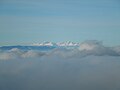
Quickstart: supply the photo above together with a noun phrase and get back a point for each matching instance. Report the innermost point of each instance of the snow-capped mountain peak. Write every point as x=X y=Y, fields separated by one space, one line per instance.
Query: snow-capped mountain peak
x=44 y=44
x=68 y=43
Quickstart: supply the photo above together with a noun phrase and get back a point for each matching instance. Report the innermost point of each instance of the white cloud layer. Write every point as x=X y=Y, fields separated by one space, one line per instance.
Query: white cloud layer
x=60 y=73
x=91 y=66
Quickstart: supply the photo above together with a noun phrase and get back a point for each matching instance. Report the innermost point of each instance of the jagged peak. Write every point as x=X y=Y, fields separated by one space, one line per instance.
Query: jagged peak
x=67 y=43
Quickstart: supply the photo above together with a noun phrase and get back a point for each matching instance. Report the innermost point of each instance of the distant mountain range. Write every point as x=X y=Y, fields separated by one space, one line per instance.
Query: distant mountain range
x=42 y=46
x=27 y=47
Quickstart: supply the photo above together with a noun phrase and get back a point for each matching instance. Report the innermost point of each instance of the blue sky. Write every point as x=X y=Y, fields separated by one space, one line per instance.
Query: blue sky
x=31 y=21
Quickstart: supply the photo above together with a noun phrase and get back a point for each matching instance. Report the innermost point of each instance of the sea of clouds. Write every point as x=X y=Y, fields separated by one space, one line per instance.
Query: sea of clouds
x=91 y=66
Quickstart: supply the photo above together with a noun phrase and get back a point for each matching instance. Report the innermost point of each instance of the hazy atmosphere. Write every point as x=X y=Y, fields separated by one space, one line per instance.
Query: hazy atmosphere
x=59 y=45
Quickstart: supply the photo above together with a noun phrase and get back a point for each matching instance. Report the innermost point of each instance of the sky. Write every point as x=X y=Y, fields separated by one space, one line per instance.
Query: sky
x=33 y=21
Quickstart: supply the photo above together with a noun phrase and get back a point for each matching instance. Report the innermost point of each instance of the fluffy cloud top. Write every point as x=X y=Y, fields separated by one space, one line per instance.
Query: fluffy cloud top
x=97 y=48
x=90 y=45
